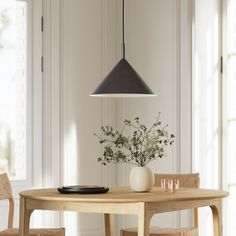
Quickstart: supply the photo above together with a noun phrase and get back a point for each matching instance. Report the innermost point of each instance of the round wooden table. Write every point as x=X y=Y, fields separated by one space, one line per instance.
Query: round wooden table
x=121 y=200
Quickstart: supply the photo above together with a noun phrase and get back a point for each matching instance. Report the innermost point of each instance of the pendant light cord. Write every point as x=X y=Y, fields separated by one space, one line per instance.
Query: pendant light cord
x=123 y=29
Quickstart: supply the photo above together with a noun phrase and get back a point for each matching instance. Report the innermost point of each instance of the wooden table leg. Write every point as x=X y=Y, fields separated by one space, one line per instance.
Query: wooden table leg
x=109 y=225
x=144 y=218
x=24 y=218
x=216 y=218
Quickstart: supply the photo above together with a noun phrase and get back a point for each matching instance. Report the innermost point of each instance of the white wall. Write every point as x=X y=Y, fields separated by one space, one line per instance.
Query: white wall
x=158 y=43
x=79 y=54
x=84 y=64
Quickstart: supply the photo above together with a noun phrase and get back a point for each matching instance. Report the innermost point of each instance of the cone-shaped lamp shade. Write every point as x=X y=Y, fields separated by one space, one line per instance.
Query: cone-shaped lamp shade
x=123 y=81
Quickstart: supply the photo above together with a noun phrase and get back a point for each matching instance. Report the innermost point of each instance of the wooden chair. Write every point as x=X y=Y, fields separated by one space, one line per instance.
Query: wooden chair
x=6 y=193
x=185 y=180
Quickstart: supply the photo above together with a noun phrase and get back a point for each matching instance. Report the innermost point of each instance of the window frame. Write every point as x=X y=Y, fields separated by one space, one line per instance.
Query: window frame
x=225 y=120
x=34 y=100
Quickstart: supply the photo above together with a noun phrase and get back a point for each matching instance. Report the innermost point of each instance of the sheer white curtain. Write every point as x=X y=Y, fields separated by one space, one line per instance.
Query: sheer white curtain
x=207 y=100
x=229 y=116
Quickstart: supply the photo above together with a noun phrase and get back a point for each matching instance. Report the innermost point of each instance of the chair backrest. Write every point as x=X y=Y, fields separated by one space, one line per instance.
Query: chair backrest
x=186 y=181
x=6 y=193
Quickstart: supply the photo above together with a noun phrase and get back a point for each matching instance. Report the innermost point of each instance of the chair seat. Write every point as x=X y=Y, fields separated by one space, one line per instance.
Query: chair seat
x=35 y=232
x=153 y=231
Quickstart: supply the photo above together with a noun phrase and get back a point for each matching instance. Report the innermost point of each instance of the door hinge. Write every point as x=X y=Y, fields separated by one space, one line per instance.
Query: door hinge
x=221 y=65
x=41 y=64
x=42 y=24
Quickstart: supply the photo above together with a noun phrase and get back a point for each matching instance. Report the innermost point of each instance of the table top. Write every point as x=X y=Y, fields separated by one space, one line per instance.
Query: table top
x=125 y=194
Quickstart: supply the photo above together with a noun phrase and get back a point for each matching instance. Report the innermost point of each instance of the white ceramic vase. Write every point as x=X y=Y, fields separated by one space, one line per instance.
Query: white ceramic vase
x=141 y=179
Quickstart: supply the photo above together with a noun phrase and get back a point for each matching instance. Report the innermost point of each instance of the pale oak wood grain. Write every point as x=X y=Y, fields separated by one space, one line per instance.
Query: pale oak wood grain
x=125 y=195
x=121 y=200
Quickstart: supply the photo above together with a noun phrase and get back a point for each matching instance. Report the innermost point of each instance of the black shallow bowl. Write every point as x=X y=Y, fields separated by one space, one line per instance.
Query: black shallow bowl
x=82 y=190
x=83 y=187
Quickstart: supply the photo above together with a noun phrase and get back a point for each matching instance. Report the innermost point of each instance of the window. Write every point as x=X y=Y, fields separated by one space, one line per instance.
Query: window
x=13 y=88
x=207 y=101
x=229 y=160
x=21 y=98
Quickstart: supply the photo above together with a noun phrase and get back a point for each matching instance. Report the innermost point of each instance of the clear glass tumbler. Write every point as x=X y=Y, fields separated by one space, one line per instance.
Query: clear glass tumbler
x=170 y=185
x=164 y=185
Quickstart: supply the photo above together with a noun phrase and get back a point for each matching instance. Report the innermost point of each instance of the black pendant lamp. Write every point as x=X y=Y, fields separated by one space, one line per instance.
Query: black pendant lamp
x=123 y=80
